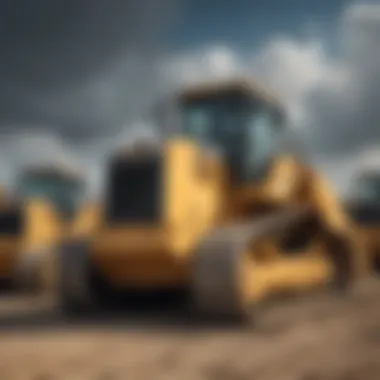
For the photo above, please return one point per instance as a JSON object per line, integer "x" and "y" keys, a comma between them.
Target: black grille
{"x": 11, "y": 222}
{"x": 134, "y": 190}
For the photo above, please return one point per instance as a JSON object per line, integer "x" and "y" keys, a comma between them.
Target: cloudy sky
{"x": 77, "y": 76}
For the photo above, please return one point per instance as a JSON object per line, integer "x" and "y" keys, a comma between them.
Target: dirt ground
{"x": 323, "y": 337}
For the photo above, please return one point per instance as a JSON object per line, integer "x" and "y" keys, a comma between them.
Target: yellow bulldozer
{"x": 363, "y": 205}
{"x": 33, "y": 220}
{"x": 219, "y": 209}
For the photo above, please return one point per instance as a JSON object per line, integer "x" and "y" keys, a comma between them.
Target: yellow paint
{"x": 191, "y": 202}
{"x": 286, "y": 274}
{"x": 193, "y": 205}
{"x": 197, "y": 197}
{"x": 192, "y": 198}
{"x": 86, "y": 220}
{"x": 43, "y": 227}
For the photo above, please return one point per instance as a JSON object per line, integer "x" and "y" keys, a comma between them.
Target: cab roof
{"x": 241, "y": 85}
{"x": 54, "y": 170}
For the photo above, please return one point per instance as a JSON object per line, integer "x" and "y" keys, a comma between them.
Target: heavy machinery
{"x": 218, "y": 209}
{"x": 363, "y": 205}
{"x": 86, "y": 220}
{"x": 35, "y": 219}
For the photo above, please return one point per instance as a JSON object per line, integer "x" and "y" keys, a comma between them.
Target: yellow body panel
{"x": 141, "y": 242}
{"x": 279, "y": 188}
{"x": 285, "y": 275}
{"x": 192, "y": 199}
{"x": 43, "y": 230}
{"x": 43, "y": 227}
{"x": 196, "y": 199}
{"x": 86, "y": 220}
{"x": 192, "y": 188}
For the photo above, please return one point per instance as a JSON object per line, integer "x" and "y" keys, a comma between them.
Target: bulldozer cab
{"x": 63, "y": 188}
{"x": 242, "y": 122}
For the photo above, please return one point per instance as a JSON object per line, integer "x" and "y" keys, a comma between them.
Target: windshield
{"x": 215, "y": 121}
{"x": 368, "y": 188}
{"x": 245, "y": 132}
{"x": 64, "y": 194}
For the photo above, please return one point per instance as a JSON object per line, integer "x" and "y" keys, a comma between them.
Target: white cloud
{"x": 40, "y": 147}
{"x": 213, "y": 62}
{"x": 291, "y": 69}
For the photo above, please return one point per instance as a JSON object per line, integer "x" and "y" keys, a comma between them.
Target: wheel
{"x": 223, "y": 280}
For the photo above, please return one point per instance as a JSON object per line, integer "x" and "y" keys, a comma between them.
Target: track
{"x": 305, "y": 339}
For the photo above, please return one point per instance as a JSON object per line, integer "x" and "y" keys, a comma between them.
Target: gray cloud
{"x": 346, "y": 116}
{"x": 97, "y": 79}
{"x": 333, "y": 98}
{"x": 79, "y": 66}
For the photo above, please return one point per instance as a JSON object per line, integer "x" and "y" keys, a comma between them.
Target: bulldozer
{"x": 219, "y": 209}
{"x": 32, "y": 222}
{"x": 363, "y": 206}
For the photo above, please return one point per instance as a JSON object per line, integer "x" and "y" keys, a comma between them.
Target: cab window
{"x": 262, "y": 142}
